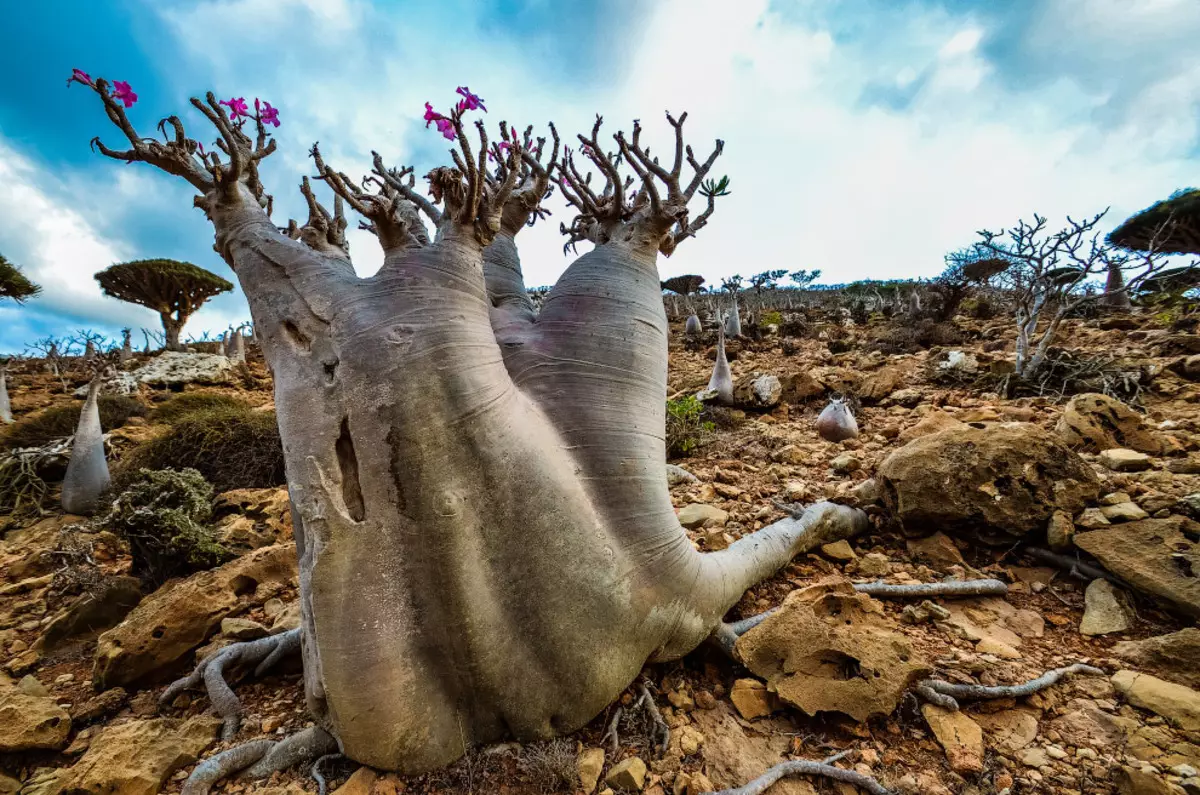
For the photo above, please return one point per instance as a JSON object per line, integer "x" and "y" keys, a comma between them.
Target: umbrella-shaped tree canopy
{"x": 14, "y": 284}
{"x": 1175, "y": 221}
{"x": 683, "y": 285}
{"x": 173, "y": 289}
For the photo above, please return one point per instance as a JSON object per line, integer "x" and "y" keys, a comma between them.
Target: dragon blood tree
{"x": 436, "y": 433}
{"x": 173, "y": 289}
{"x": 14, "y": 284}
{"x": 686, "y": 286}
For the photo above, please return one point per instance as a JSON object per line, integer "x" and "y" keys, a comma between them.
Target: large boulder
{"x": 1176, "y": 656}
{"x": 996, "y": 483}
{"x": 137, "y": 758}
{"x": 1095, "y": 422}
{"x": 251, "y": 518}
{"x": 1179, "y": 705}
{"x": 830, "y": 649}
{"x": 1155, "y": 556}
{"x": 31, "y": 721}
{"x": 184, "y": 613}
{"x": 757, "y": 391}
{"x": 172, "y": 368}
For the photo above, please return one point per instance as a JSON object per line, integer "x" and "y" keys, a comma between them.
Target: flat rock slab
{"x": 1178, "y": 705}
{"x": 172, "y": 368}
{"x": 30, "y": 722}
{"x": 1176, "y": 656}
{"x": 1154, "y": 556}
{"x": 137, "y": 757}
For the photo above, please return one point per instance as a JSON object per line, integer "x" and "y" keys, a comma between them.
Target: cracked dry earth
{"x": 81, "y": 714}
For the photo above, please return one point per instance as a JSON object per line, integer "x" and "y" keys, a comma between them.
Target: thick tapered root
{"x": 260, "y": 758}
{"x": 883, "y": 590}
{"x": 807, "y": 768}
{"x": 946, "y": 694}
{"x": 1073, "y": 566}
{"x": 224, "y": 765}
{"x": 266, "y": 652}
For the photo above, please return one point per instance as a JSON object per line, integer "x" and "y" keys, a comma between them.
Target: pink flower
{"x": 470, "y": 101}
{"x": 237, "y": 108}
{"x": 124, "y": 93}
{"x": 446, "y": 128}
{"x": 266, "y": 114}
{"x": 430, "y": 115}
{"x": 200, "y": 148}
{"x": 79, "y": 76}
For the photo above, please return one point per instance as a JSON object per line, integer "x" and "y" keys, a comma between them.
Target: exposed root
{"x": 883, "y": 590}
{"x": 946, "y": 694}
{"x": 659, "y": 730}
{"x": 224, "y": 765}
{"x": 1073, "y": 566}
{"x": 305, "y": 746}
{"x": 211, "y": 671}
{"x": 613, "y": 735}
{"x": 261, "y": 758}
{"x": 805, "y": 767}
{"x": 322, "y": 785}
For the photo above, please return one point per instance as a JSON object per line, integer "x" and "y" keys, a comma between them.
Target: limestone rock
{"x": 1060, "y": 532}
{"x": 590, "y": 764}
{"x": 938, "y": 550}
{"x": 93, "y": 611}
{"x": 831, "y": 649}
{"x": 183, "y": 614}
{"x": 1156, "y": 556}
{"x": 101, "y": 705}
{"x": 734, "y": 755}
{"x": 1105, "y": 610}
{"x": 1176, "y": 656}
{"x": 242, "y": 629}
{"x": 248, "y": 519}
{"x": 29, "y": 722}
{"x": 997, "y": 483}
{"x": 881, "y": 383}
{"x": 757, "y": 391}
{"x": 934, "y": 422}
{"x": 1120, "y": 459}
{"x": 171, "y": 368}
{"x": 360, "y": 783}
{"x": 629, "y": 775}
{"x": 698, "y": 514}
{"x": 839, "y": 550}
{"x": 137, "y": 758}
{"x": 1095, "y": 422}
{"x": 1010, "y": 730}
{"x": 752, "y": 699}
{"x": 287, "y": 619}
{"x": 1123, "y": 512}
{"x": 677, "y": 475}
{"x": 844, "y": 464}
{"x": 960, "y": 736}
{"x": 1179, "y": 705}
{"x": 1132, "y": 781}
{"x": 799, "y": 387}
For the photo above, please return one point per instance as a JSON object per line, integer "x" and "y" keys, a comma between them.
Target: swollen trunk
{"x": 87, "y": 473}
{"x": 5, "y": 407}
{"x": 721, "y": 381}
{"x": 733, "y": 321}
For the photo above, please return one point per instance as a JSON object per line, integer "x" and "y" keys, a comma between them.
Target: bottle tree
{"x": 432, "y": 443}
{"x": 173, "y": 289}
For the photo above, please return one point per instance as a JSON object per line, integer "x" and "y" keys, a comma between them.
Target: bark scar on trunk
{"x": 348, "y": 464}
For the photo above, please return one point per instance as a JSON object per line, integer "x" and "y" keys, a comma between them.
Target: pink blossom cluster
{"x": 444, "y": 124}
{"x": 239, "y": 111}
{"x": 121, "y": 90}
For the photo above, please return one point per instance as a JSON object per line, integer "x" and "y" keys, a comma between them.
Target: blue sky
{"x": 863, "y": 137}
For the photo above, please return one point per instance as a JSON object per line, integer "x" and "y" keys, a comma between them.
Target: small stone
{"x": 1091, "y": 519}
{"x": 628, "y": 774}
{"x": 699, "y": 785}
{"x": 590, "y": 764}
{"x": 752, "y": 699}
{"x": 925, "y": 611}
{"x": 1034, "y": 757}
{"x": 1060, "y": 531}
{"x": 64, "y": 679}
{"x": 690, "y": 740}
{"x": 30, "y": 686}
{"x": 705, "y": 700}
{"x": 362, "y": 782}
{"x": 1131, "y": 781}
{"x": 243, "y": 629}
{"x": 270, "y": 724}
{"x": 1124, "y": 512}
{"x": 960, "y": 736}
{"x": 680, "y": 700}
{"x": 795, "y": 491}
{"x": 101, "y": 706}
{"x": 1120, "y": 459}
{"x": 998, "y": 648}
{"x": 1105, "y": 610}
{"x": 844, "y": 464}
{"x": 838, "y": 550}
{"x": 938, "y": 549}
{"x": 1056, "y": 752}
{"x": 697, "y": 514}
{"x": 1115, "y": 498}
{"x": 1184, "y": 466}
{"x": 874, "y": 564}
{"x": 273, "y": 607}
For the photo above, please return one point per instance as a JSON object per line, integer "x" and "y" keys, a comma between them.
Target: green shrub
{"x": 163, "y": 515}
{"x": 58, "y": 422}
{"x": 772, "y": 318}
{"x": 686, "y": 428}
{"x": 233, "y": 447}
{"x": 189, "y": 402}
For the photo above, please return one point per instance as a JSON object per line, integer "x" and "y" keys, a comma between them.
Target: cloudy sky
{"x": 863, "y": 137}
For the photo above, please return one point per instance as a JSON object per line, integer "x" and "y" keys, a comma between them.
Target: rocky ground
{"x": 960, "y": 484}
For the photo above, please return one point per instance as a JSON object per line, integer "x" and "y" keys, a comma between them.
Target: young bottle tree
{"x": 432, "y": 443}
{"x": 733, "y": 320}
{"x": 173, "y": 289}
{"x": 686, "y": 286}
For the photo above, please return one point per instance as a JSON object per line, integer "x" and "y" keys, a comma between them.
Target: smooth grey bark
{"x": 87, "y": 472}
{"x": 1115, "y": 294}
{"x": 126, "y": 346}
{"x": 239, "y": 346}
{"x": 5, "y": 407}
{"x": 692, "y": 326}
{"x": 733, "y": 321}
{"x": 836, "y": 422}
{"x": 721, "y": 380}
